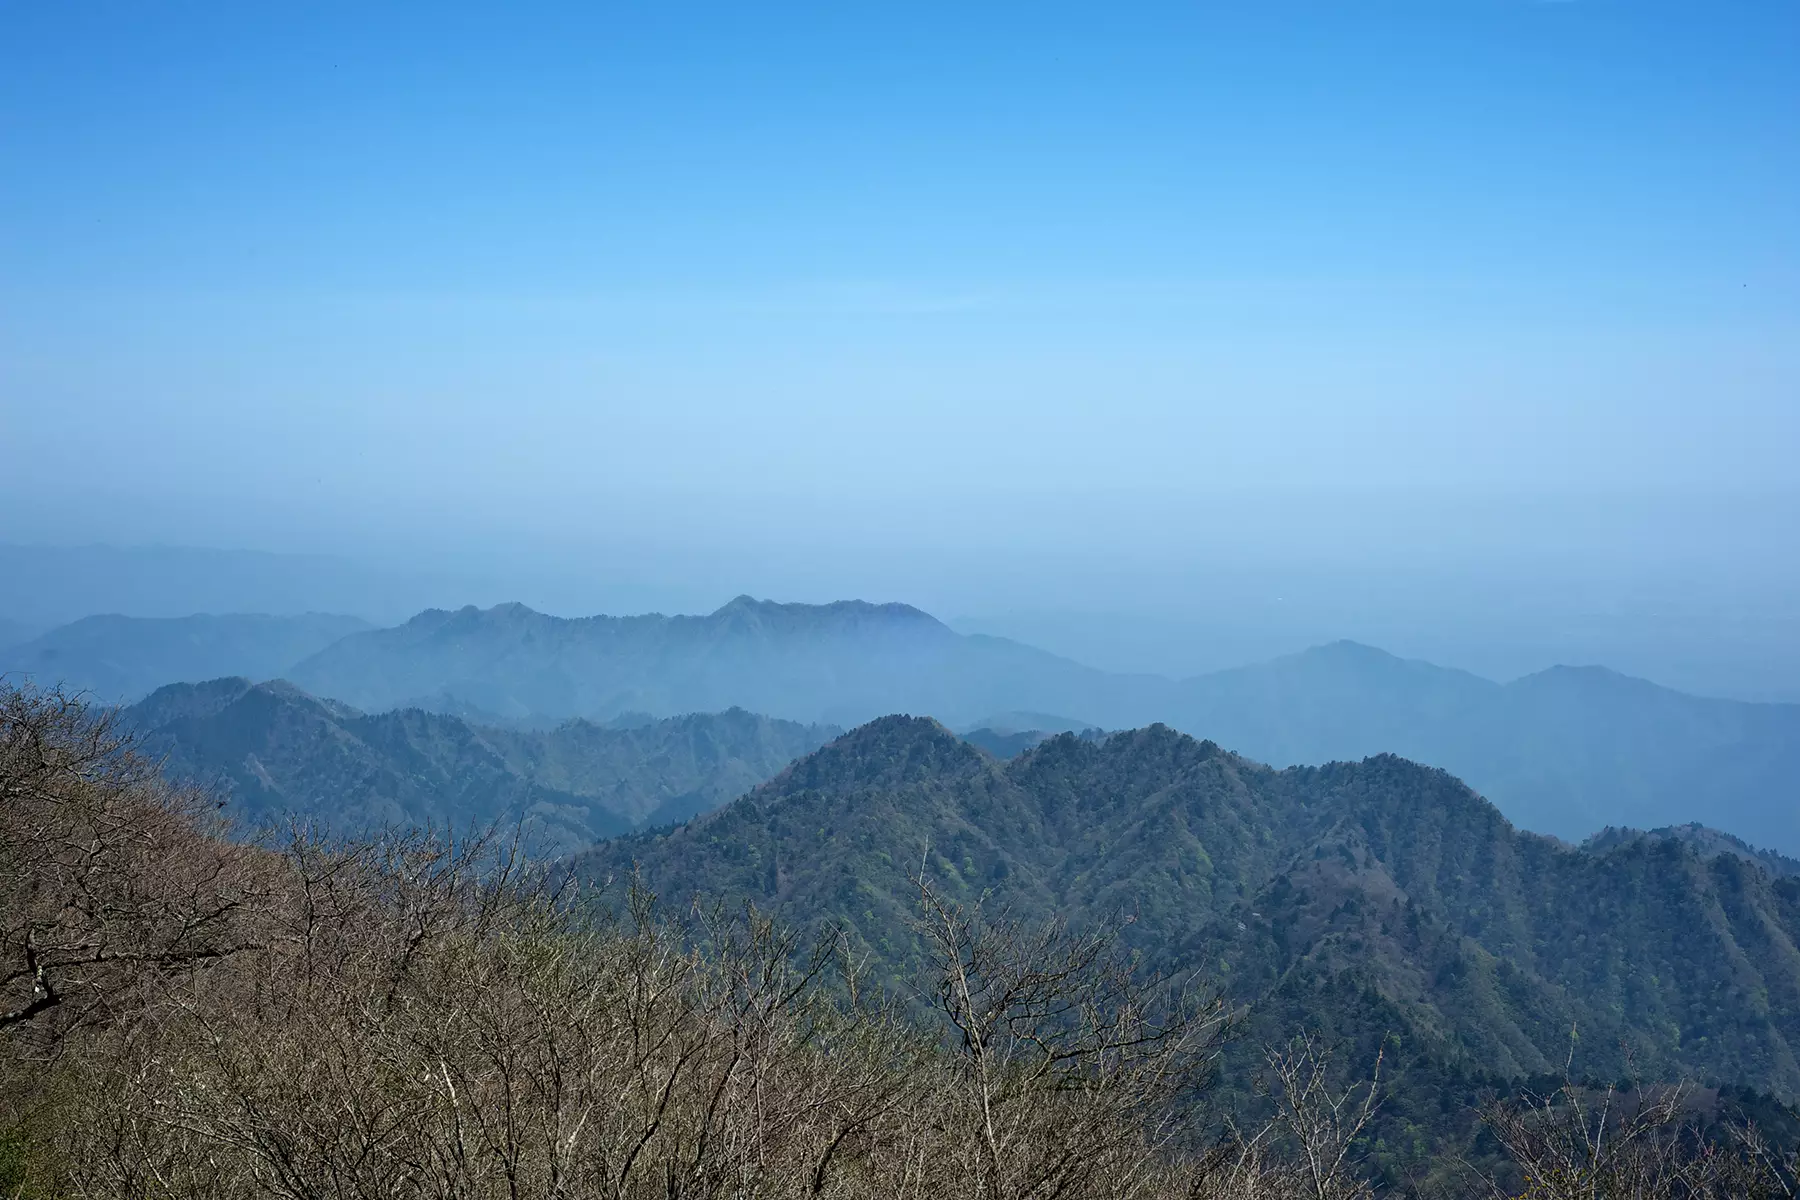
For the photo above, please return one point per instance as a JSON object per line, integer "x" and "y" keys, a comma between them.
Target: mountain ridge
{"x": 1392, "y": 879}
{"x": 276, "y": 751}
{"x": 1566, "y": 751}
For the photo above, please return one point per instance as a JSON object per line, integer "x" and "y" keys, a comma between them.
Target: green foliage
{"x": 184, "y": 1016}
{"x": 1379, "y": 901}
{"x": 278, "y": 752}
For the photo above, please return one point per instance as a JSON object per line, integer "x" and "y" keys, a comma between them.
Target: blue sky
{"x": 374, "y": 277}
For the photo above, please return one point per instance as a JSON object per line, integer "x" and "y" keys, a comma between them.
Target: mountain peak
{"x": 1588, "y": 675}
{"x": 838, "y": 613}
{"x": 885, "y": 752}
{"x": 1348, "y": 651}
{"x": 433, "y": 618}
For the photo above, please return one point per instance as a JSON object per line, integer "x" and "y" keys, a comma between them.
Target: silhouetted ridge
{"x": 1565, "y": 752}
{"x": 837, "y": 615}
{"x": 1599, "y": 683}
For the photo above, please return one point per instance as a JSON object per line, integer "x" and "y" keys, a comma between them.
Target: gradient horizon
{"x": 1491, "y": 308}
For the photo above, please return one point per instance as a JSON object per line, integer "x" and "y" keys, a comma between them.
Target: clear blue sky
{"x": 364, "y": 275}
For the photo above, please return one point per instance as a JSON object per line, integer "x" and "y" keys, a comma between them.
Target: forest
{"x": 184, "y": 1014}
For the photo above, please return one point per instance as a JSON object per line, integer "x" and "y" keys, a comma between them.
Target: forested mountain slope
{"x": 1388, "y": 887}
{"x": 1708, "y": 843}
{"x": 279, "y": 751}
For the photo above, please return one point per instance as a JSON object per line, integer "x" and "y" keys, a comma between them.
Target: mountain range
{"x": 1381, "y": 900}
{"x": 842, "y": 663}
{"x": 277, "y": 753}
{"x": 1567, "y": 751}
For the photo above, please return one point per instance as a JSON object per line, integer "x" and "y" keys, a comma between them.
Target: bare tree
{"x": 417, "y": 1016}
{"x": 1578, "y": 1143}
{"x": 1054, "y": 1028}
{"x": 108, "y": 878}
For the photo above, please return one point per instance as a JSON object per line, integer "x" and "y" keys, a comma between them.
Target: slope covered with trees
{"x": 189, "y": 1017}
{"x": 279, "y": 752}
{"x": 1387, "y": 884}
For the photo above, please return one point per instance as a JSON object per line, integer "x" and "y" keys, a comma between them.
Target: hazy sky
{"x": 876, "y": 280}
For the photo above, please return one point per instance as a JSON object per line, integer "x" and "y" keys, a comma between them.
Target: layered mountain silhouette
{"x": 1567, "y": 751}
{"x": 842, "y": 662}
{"x": 278, "y": 752}
{"x": 121, "y": 659}
{"x": 1381, "y": 898}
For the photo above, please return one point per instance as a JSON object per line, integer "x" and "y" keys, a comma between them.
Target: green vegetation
{"x": 845, "y": 1015}
{"x": 279, "y": 753}
{"x": 1382, "y": 902}
{"x": 1566, "y": 752}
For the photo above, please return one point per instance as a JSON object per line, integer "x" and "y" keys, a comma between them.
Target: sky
{"x": 1016, "y": 310}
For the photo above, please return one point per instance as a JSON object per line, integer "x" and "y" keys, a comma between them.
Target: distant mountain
{"x": 1028, "y": 722}
{"x": 120, "y": 659}
{"x": 1006, "y": 738}
{"x": 1566, "y": 752}
{"x": 1339, "y": 701}
{"x": 278, "y": 751}
{"x": 1005, "y": 745}
{"x": 841, "y": 663}
{"x": 1378, "y": 898}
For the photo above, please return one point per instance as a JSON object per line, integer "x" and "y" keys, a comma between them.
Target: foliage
{"x": 279, "y": 753}
{"x": 187, "y": 1017}
{"x": 1380, "y": 901}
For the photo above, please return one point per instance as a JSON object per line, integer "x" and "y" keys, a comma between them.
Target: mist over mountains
{"x": 845, "y": 663}
{"x": 1566, "y": 751}
{"x": 1374, "y": 898}
{"x": 120, "y": 659}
